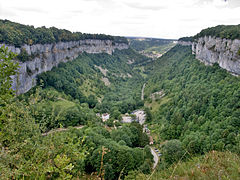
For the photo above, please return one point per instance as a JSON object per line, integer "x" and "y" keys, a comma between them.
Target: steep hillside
{"x": 225, "y": 52}
{"x": 213, "y": 165}
{"x": 98, "y": 75}
{"x": 200, "y": 107}
{"x": 220, "y": 44}
{"x": 57, "y": 131}
{"x": 72, "y": 95}
{"x": 40, "y": 49}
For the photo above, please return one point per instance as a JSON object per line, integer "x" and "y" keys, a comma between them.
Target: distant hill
{"x": 151, "y": 47}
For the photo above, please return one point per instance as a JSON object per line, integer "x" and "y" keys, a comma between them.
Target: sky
{"x": 140, "y": 18}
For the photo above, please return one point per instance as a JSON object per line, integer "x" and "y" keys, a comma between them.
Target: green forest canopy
{"x": 201, "y": 114}
{"x": 18, "y": 34}
{"x": 27, "y": 154}
{"x": 222, "y": 31}
{"x": 203, "y": 109}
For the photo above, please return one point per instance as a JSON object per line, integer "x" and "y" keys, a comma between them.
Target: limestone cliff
{"x": 47, "y": 56}
{"x": 185, "y": 43}
{"x": 225, "y": 52}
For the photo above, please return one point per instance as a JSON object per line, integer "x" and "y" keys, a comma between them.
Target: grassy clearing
{"x": 63, "y": 103}
{"x": 155, "y": 105}
{"x": 141, "y": 71}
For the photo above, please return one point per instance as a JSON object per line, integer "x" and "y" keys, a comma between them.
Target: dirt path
{"x": 155, "y": 158}
{"x": 60, "y": 130}
{"x": 142, "y": 96}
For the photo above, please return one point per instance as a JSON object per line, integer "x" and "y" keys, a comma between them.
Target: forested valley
{"x": 57, "y": 131}
{"x": 70, "y": 96}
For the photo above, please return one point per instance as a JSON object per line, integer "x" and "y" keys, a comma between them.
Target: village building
{"x": 127, "y": 119}
{"x": 105, "y": 117}
{"x": 139, "y": 114}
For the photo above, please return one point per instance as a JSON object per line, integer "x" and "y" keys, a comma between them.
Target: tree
{"x": 92, "y": 101}
{"x": 8, "y": 68}
{"x": 173, "y": 151}
{"x": 148, "y": 114}
{"x": 23, "y": 56}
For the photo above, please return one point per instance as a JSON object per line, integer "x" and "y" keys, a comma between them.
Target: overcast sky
{"x": 147, "y": 18}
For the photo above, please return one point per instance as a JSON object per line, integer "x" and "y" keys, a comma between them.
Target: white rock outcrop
{"x": 47, "y": 56}
{"x": 225, "y": 52}
{"x": 185, "y": 43}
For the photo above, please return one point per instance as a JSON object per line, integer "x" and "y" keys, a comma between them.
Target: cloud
{"x": 215, "y": 3}
{"x": 137, "y": 17}
{"x": 131, "y": 23}
{"x": 140, "y": 6}
{"x": 227, "y": 21}
{"x": 152, "y": 18}
{"x": 6, "y": 13}
{"x": 190, "y": 19}
{"x": 233, "y": 3}
{"x": 30, "y": 9}
{"x": 76, "y": 11}
{"x": 228, "y": 3}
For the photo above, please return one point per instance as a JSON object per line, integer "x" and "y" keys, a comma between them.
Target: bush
{"x": 23, "y": 56}
{"x": 238, "y": 53}
{"x": 173, "y": 151}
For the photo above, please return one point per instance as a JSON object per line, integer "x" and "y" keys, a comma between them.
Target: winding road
{"x": 142, "y": 96}
{"x": 155, "y": 158}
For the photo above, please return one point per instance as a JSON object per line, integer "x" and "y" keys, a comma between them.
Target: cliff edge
{"x": 225, "y": 52}
{"x": 220, "y": 44}
{"x": 46, "y": 56}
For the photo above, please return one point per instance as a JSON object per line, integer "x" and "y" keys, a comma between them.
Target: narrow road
{"x": 155, "y": 158}
{"x": 142, "y": 96}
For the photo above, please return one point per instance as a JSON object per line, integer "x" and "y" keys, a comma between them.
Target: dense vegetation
{"x": 81, "y": 79}
{"x": 7, "y": 69}
{"x": 94, "y": 149}
{"x": 119, "y": 157}
{"x": 52, "y": 109}
{"x": 25, "y": 153}
{"x": 202, "y": 109}
{"x": 197, "y": 116}
{"x": 18, "y": 34}
{"x": 222, "y": 31}
{"x": 212, "y": 165}
{"x": 186, "y": 39}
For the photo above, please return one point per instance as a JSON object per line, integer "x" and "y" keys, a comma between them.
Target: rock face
{"x": 185, "y": 43}
{"x": 47, "y": 56}
{"x": 225, "y": 52}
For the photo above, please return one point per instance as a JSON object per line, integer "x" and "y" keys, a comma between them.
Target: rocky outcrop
{"x": 185, "y": 43}
{"x": 225, "y": 52}
{"x": 47, "y": 56}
